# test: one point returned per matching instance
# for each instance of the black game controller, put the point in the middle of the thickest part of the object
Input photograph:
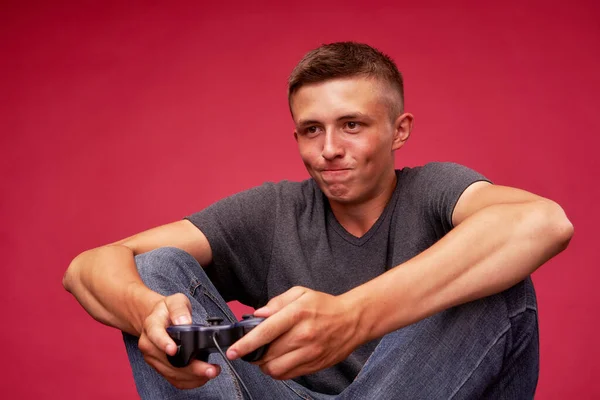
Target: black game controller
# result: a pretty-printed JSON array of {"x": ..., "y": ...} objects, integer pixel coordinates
[{"x": 197, "y": 342}]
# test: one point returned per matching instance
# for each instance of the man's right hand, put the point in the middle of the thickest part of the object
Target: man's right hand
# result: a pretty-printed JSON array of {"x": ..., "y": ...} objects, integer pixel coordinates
[{"x": 155, "y": 343}]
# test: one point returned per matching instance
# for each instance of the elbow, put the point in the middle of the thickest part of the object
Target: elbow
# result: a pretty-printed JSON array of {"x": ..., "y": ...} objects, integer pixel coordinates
[
  {"x": 557, "y": 226},
  {"x": 66, "y": 280},
  {"x": 566, "y": 229},
  {"x": 70, "y": 275}
]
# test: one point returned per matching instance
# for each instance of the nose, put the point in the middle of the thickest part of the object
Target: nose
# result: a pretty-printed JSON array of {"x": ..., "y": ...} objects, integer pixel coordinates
[{"x": 333, "y": 146}]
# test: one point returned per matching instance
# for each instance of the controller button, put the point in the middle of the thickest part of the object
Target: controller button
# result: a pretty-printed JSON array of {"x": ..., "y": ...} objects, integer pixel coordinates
[
  {"x": 247, "y": 316},
  {"x": 214, "y": 320}
]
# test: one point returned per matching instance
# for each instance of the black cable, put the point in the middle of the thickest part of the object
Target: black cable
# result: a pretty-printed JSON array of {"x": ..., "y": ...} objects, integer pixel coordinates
[{"x": 214, "y": 336}]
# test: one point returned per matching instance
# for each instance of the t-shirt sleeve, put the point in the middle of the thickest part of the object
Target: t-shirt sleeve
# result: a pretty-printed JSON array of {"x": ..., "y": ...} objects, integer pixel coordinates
[
  {"x": 240, "y": 231},
  {"x": 441, "y": 184}
]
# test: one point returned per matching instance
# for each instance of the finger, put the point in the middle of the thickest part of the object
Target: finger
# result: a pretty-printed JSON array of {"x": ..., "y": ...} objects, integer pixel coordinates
[
  {"x": 180, "y": 309},
  {"x": 301, "y": 335},
  {"x": 286, "y": 343},
  {"x": 195, "y": 367},
  {"x": 182, "y": 378},
  {"x": 147, "y": 348},
  {"x": 290, "y": 365},
  {"x": 269, "y": 330},
  {"x": 278, "y": 302},
  {"x": 155, "y": 329},
  {"x": 203, "y": 369},
  {"x": 194, "y": 370}
]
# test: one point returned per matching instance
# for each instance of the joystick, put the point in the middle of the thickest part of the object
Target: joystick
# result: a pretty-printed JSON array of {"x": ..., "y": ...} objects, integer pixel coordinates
[{"x": 198, "y": 341}]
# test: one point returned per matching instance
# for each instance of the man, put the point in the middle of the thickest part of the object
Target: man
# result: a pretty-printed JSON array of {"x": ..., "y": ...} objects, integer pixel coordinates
[{"x": 375, "y": 283}]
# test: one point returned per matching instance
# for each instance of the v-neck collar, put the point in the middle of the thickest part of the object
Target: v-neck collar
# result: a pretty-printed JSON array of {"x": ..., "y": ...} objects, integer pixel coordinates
[{"x": 359, "y": 241}]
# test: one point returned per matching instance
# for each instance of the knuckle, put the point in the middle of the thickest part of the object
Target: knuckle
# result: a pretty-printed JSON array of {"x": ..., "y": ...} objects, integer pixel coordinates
[
  {"x": 146, "y": 345},
  {"x": 147, "y": 323},
  {"x": 277, "y": 376},
  {"x": 272, "y": 371},
  {"x": 152, "y": 334},
  {"x": 318, "y": 349},
  {"x": 307, "y": 334},
  {"x": 143, "y": 344},
  {"x": 157, "y": 339},
  {"x": 151, "y": 323},
  {"x": 298, "y": 314},
  {"x": 179, "y": 299},
  {"x": 303, "y": 314}
]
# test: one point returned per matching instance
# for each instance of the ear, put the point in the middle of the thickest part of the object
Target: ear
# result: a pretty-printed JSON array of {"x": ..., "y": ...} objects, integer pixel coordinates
[{"x": 402, "y": 128}]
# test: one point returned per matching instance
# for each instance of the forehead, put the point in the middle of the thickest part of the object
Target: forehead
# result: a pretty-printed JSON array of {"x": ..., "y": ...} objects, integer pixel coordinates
[{"x": 330, "y": 99}]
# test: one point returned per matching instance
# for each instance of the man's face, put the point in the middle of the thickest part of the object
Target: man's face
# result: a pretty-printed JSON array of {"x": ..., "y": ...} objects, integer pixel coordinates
[{"x": 346, "y": 137}]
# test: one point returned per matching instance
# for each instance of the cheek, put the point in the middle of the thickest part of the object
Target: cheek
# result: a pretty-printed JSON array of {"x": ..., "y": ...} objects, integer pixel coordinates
[
  {"x": 374, "y": 155},
  {"x": 370, "y": 151},
  {"x": 307, "y": 152}
]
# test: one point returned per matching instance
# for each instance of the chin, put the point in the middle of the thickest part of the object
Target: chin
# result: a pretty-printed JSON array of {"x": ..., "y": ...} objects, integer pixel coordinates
[
  {"x": 340, "y": 195},
  {"x": 338, "y": 192}
]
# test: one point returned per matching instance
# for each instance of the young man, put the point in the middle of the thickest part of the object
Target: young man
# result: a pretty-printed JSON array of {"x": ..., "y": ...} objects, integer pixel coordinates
[{"x": 376, "y": 283}]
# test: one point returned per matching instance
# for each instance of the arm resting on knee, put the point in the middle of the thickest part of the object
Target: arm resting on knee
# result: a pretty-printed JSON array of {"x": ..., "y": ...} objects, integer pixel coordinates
[{"x": 106, "y": 283}]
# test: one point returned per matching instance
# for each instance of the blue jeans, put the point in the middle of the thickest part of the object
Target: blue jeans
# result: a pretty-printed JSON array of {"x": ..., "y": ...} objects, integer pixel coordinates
[{"x": 483, "y": 349}]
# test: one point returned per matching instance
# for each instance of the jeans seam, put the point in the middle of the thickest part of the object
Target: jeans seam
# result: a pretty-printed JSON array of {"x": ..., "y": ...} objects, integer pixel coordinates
[
  {"x": 522, "y": 310},
  {"x": 300, "y": 394},
  {"x": 238, "y": 388},
  {"x": 480, "y": 360},
  {"x": 194, "y": 287}
]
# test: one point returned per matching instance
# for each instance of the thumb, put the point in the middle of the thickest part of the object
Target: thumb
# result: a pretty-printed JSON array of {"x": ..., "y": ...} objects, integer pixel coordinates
[
  {"x": 278, "y": 302},
  {"x": 180, "y": 309}
]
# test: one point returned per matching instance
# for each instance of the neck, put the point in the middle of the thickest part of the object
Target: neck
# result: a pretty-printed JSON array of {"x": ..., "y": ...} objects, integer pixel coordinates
[{"x": 358, "y": 218}]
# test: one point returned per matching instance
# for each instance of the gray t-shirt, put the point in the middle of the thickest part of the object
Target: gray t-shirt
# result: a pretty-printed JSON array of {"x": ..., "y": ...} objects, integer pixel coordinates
[{"x": 270, "y": 238}]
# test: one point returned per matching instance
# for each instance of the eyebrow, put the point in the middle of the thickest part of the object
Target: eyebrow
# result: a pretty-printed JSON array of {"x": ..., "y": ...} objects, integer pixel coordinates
[{"x": 356, "y": 115}]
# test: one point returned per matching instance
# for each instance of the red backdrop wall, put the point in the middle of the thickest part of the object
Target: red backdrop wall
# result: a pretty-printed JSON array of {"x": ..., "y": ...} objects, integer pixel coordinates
[{"x": 117, "y": 118}]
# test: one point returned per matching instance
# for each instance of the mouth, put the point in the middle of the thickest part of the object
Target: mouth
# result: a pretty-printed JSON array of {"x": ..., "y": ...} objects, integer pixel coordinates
[
  {"x": 334, "y": 173},
  {"x": 327, "y": 169}
]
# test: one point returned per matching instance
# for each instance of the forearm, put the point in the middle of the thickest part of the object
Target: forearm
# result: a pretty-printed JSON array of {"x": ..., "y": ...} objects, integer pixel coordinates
[
  {"x": 106, "y": 283},
  {"x": 487, "y": 253}
]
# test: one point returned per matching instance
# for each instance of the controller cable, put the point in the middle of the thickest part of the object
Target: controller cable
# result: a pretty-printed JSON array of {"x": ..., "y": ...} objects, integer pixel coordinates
[{"x": 214, "y": 336}]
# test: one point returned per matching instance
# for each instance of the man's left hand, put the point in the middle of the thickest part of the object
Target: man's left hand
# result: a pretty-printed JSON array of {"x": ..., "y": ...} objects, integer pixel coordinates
[{"x": 306, "y": 331}]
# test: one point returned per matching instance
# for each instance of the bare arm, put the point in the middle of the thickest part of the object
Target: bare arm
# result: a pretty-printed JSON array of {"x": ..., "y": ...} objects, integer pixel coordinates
[
  {"x": 106, "y": 283},
  {"x": 501, "y": 236}
]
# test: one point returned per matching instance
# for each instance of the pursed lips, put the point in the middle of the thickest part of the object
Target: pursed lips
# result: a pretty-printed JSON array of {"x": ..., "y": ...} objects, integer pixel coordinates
[{"x": 330, "y": 173}]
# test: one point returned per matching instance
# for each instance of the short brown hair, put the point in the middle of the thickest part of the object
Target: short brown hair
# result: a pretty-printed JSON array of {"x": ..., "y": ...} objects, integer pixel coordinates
[{"x": 346, "y": 60}]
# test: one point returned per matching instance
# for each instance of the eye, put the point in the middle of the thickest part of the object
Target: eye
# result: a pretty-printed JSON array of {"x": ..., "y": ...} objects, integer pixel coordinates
[
  {"x": 352, "y": 125},
  {"x": 311, "y": 130}
]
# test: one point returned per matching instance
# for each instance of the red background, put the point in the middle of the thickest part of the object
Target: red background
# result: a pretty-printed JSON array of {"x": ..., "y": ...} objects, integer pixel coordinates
[{"x": 117, "y": 118}]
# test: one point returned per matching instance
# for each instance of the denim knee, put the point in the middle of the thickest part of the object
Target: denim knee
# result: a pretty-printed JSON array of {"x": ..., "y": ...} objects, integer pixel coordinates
[{"x": 167, "y": 269}]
